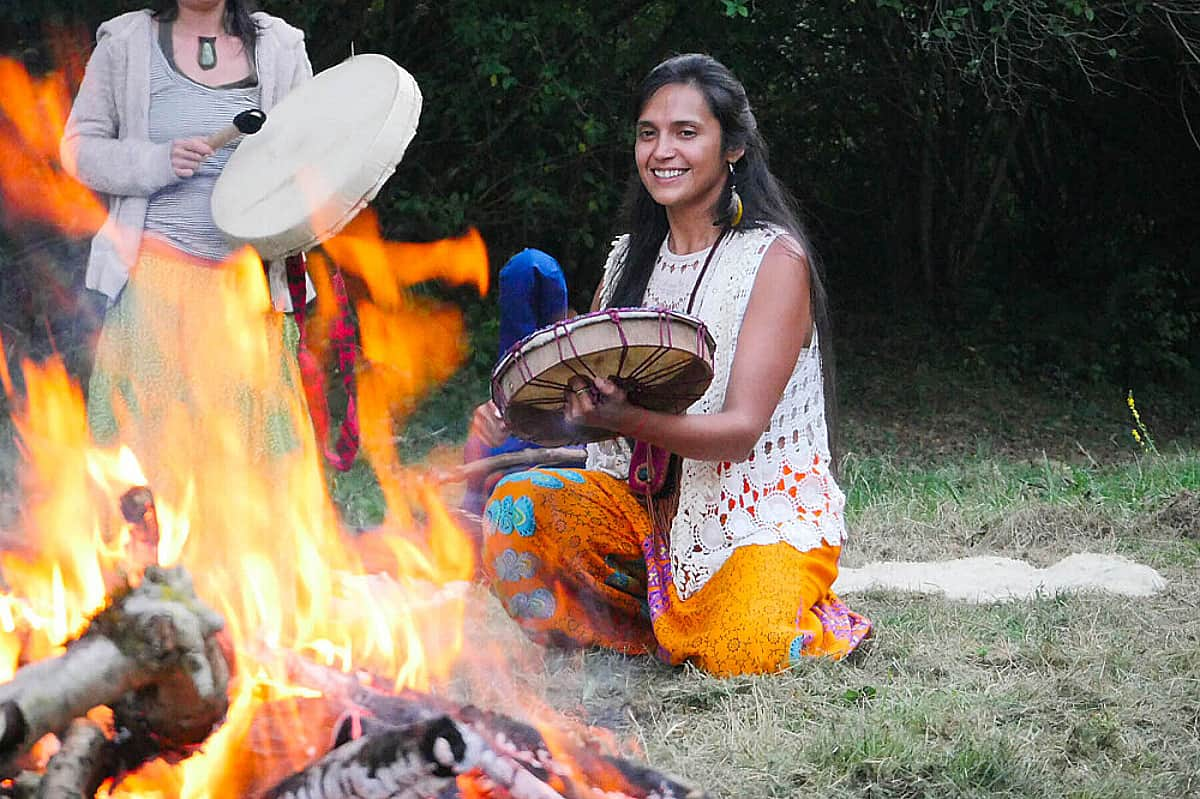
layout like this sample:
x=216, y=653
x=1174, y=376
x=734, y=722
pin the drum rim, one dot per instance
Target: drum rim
x=605, y=313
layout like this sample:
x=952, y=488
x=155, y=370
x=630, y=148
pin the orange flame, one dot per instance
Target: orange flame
x=261, y=538
x=33, y=115
x=388, y=267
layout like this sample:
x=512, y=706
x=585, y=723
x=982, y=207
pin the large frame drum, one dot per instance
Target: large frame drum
x=662, y=359
x=324, y=152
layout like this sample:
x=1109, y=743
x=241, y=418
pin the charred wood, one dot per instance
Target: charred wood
x=24, y=786
x=574, y=771
x=412, y=762
x=137, y=507
x=170, y=717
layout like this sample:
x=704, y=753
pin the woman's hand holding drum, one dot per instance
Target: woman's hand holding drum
x=598, y=403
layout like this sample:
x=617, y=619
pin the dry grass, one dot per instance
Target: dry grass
x=1067, y=696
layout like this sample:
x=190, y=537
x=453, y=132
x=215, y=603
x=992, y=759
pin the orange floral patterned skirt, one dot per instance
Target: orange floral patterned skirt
x=571, y=556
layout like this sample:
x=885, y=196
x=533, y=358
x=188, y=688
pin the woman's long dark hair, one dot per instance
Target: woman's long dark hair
x=765, y=199
x=237, y=22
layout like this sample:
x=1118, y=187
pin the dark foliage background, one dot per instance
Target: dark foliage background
x=1008, y=181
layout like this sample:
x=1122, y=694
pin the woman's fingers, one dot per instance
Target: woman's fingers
x=599, y=401
x=610, y=394
x=187, y=155
x=578, y=399
x=489, y=425
x=198, y=146
x=183, y=165
x=608, y=388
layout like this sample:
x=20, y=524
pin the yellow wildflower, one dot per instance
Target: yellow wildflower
x=1140, y=434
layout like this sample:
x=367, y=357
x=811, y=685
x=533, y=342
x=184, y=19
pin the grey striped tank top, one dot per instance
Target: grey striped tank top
x=180, y=108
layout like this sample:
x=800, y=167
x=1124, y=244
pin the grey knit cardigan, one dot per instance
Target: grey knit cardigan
x=106, y=144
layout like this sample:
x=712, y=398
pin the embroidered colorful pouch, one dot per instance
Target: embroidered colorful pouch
x=649, y=469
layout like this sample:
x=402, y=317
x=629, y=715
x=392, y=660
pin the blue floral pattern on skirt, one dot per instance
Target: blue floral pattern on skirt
x=797, y=647
x=544, y=480
x=537, y=604
x=543, y=477
x=508, y=515
x=515, y=477
x=512, y=566
x=570, y=475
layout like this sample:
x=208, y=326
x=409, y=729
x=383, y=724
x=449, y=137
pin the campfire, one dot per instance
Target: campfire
x=218, y=633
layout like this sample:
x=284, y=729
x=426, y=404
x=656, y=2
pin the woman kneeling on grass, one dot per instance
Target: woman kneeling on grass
x=737, y=579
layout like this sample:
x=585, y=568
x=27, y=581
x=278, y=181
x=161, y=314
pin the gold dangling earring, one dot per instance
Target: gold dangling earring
x=735, y=201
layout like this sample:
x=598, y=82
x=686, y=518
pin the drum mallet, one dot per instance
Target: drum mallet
x=244, y=124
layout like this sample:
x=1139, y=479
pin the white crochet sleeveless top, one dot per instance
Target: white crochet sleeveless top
x=784, y=490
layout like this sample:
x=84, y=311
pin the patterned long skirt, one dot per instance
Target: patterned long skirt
x=191, y=381
x=571, y=556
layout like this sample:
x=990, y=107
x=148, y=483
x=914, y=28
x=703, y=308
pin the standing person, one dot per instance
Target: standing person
x=738, y=578
x=158, y=82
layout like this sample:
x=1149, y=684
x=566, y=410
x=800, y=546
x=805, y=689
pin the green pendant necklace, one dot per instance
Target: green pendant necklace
x=206, y=56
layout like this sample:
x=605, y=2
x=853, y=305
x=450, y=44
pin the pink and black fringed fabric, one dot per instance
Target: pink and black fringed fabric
x=343, y=343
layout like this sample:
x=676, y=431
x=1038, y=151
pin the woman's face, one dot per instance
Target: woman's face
x=678, y=151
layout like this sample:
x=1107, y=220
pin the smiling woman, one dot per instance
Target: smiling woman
x=726, y=556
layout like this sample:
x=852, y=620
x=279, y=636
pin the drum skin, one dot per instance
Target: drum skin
x=325, y=150
x=663, y=359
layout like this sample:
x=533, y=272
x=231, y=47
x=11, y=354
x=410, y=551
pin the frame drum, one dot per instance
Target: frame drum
x=662, y=359
x=325, y=150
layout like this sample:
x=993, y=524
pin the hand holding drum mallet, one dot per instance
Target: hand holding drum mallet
x=187, y=154
x=244, y=124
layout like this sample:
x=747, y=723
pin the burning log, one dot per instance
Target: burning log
x=25, y=786
x=413, y=762
x=85, y=760
x=513, y=755
x=153, y=655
